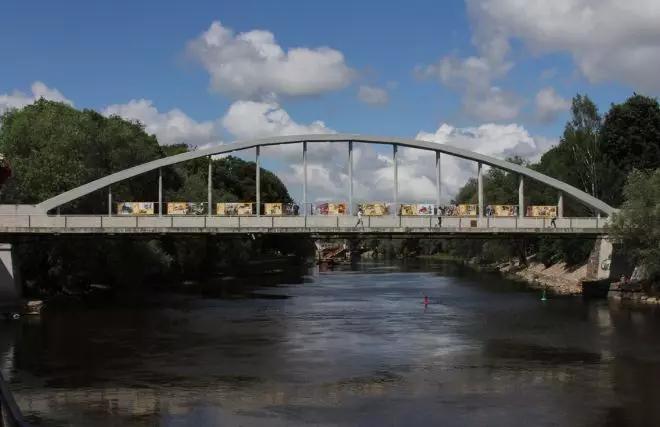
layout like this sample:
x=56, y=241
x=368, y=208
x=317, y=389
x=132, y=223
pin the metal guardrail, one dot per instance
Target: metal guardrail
x=10, y=413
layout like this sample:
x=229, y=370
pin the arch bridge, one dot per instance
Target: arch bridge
x=39, y=219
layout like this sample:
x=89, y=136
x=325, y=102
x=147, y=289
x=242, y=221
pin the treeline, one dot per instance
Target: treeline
x=53, y=148
x=595, y=154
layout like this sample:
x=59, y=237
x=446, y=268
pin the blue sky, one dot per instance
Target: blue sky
x=99, y=54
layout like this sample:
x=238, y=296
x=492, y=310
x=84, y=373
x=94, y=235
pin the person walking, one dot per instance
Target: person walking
x=359, y=221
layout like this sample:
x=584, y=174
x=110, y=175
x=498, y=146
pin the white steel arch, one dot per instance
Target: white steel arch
x=101, y=183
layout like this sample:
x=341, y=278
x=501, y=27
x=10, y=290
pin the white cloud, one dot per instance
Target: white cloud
x=549, y=73
x=549, y=104
x=251, y=120
x=494, y=105
x=474, y=76
x=252, y=65
x=373, y=95
x=609, y=40
x=38, y=89
x=171, y=127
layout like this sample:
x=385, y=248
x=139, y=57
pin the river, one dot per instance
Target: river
x=350, y=347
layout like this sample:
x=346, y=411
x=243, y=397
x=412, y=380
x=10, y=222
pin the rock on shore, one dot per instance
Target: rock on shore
x=557, y=279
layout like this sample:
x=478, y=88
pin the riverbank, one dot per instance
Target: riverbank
x=557, y=279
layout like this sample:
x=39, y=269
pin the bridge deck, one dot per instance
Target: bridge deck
x=315, y=225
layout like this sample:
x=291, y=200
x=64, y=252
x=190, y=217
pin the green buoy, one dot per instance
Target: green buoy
x=543, y=296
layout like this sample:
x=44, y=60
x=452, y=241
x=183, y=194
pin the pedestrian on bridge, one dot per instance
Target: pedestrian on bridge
x=359, y=221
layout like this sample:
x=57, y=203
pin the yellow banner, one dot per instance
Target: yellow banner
x=415, y=209
x=186, y=208
x=234, y=209
x=336, y=209
x=330, y=209
x=466, y=210
x=135, y=208
x=375, y=209
x=542, y=211
x=272, y=208
x=506, y=210
x=177, y=208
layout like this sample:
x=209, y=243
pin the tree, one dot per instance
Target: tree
x=630, y=139
x=53, y=148
x=637, y=225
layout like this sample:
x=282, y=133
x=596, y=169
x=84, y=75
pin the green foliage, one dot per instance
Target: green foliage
x=630, y=139
x=53, y=147
x=637, y=225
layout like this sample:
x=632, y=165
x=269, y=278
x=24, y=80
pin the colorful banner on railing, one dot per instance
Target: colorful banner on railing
x=330, y=209
x=186, y=208
x=375, y=209
x=234, y=209
x=466, y=210
x=272, y=208
x=542, y=211
x=135, y=208
x=505, y=210
x=414, y=209
x=291, y=209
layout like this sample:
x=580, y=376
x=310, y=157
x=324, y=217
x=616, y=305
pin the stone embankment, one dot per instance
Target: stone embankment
x=557, y=279
x=637, y=289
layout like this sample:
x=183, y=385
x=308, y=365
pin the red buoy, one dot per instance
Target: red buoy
x=426, y=300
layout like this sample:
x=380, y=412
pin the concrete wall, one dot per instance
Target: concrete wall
x=10, y=286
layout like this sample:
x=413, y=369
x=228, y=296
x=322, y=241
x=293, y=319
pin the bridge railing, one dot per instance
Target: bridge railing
x=10, y=413
x=290, y=222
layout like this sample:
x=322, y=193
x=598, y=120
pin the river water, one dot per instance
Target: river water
x=349, y=347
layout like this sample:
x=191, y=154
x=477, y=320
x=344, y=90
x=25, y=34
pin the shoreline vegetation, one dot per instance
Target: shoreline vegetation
x=38, y=140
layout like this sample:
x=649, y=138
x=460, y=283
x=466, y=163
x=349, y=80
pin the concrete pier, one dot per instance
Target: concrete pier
x=10, y=284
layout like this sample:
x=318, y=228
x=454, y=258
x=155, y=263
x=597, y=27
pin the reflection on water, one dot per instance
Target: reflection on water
x=345, y=347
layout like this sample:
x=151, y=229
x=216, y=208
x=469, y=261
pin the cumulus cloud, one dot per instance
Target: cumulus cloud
x=373, y=95
x=549, y=104
x=474, y=76
x=170, y=127
x=493, y=105
x=609, y=40
x=38, y=90
x=253, y=66
x=549, y=73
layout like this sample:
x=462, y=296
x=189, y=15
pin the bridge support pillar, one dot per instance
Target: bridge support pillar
x=350, y=178
x=160, y=191
x=438, y=188
x=480, y=189
x=304, y=154
x=396, y=177
x=521, y=197
x=209, y=187
x=10, y=284
x=258, y=181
